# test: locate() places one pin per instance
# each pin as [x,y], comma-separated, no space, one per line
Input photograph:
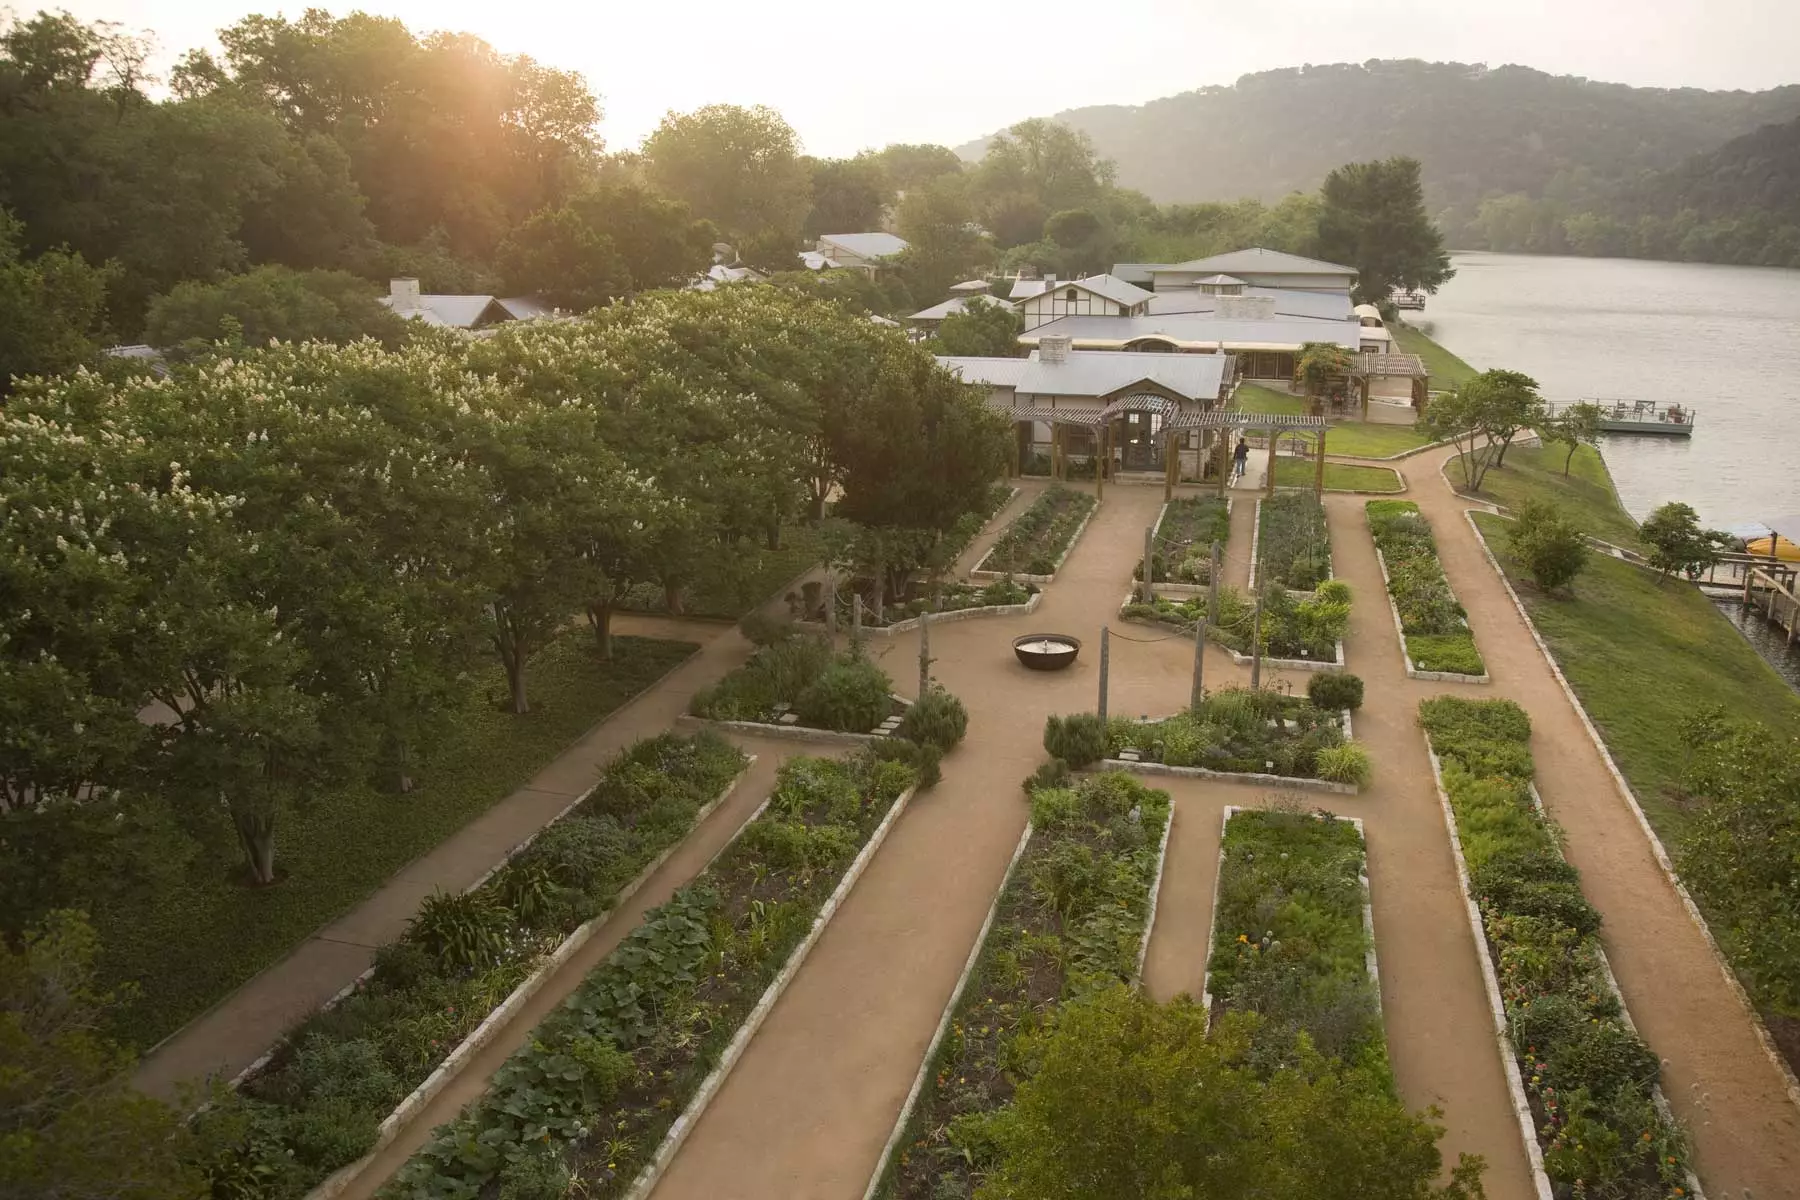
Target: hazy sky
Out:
[850,74]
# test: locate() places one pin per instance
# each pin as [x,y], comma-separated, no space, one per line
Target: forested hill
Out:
[1758,171]
[1478,131]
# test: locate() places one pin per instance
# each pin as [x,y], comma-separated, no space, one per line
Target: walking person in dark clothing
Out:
[1240,458]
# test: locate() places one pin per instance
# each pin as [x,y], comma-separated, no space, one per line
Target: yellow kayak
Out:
[1784,549]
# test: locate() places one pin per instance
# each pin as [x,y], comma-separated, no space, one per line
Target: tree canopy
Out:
[1373,218]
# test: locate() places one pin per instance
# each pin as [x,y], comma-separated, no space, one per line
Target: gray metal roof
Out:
[1137,273]
[453,312]
[1222,281]
[995,372]
[1100,373]
[1257,260]
[1115,289]
[1202,331]
[974,287]
[1289,302]
[1024,289]
[955,304]
[525,308]
[865,245]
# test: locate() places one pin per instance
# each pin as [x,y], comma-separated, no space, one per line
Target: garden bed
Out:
[1300,631]
[349,1078]
[612,1081]
[1584,1083]
[1186,528]
[1073,913]
[798,684]
[1433,628]
[1292,543]
[1033,547]
[1004,597]
[1253,737]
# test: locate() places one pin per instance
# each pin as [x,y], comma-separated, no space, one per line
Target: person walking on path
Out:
[1240,459]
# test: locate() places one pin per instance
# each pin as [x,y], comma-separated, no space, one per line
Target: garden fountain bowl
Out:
[1046,651]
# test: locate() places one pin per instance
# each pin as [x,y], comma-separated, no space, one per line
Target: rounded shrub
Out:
[1051,773]
[1334,691]
[1079,739]
[937,719]
[1348,763]
[921,757]
[850,695]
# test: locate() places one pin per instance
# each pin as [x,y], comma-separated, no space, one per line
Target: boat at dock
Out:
[1409,298]
[1642,416]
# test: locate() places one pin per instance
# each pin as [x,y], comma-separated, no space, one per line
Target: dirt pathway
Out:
[1746,1132]
[231,1035]
[694,852]
[1243,537]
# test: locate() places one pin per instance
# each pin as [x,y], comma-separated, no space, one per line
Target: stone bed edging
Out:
[968,971]
[684,1124]
[979,572]
[1412,671]
[1656,847]
[1368,909]
[1179,591]
[1282,781]
[1256,544]
[408,1110]
[937,618]
[1243,660]
[1509,1061]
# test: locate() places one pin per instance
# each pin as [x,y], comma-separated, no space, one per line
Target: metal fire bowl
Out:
[1046,651]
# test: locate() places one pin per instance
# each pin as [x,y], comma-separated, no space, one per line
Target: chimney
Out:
[1054,348]
[404,293]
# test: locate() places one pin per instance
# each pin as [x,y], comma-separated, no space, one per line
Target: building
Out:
[459,312]
[1139,411]
[1255,267]
[928,319]
[719,274]
[1042,301]
[865,252]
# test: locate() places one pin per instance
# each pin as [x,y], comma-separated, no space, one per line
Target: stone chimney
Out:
[1245,308]
[404,292]
[1054,348]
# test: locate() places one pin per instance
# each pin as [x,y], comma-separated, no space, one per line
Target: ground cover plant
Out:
[1589,1077]
[1040,536]
[1293,541]
[742,577]
[1184,538]
[1434,624]
[829,689]
[1307,625]
[604,1076]
[1069,921]
[1585,495]
[1370,439]
[319,1103]
[1339,477]
[1265,732]
[1447,370]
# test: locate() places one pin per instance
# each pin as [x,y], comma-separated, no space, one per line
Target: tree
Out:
[1054,164]
[559,255]
[737,167]
[1678,543]
[271,304]
[1373,218]
[1126,1097]
[849,195]
[658,240]
[1509,404]
[938,222]
[1482,417]
[908,166]
[1322,366]
[1547,544]
[52,309]
[1575,426]
[983,328]
[70,1129]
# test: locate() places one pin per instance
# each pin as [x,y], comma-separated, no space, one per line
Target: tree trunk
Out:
[880,574]
[672,598]
[396,759]
[600,620]
[774,533]
[1570,458]
[256,834]
[515,683]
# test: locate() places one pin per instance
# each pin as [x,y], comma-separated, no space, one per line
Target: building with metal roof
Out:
[932,316]
[1252,267]
[864,252]
[459,312]
[1040,301]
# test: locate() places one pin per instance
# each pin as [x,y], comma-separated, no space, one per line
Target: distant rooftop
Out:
[863,245]
[1098,373]
[1258,260]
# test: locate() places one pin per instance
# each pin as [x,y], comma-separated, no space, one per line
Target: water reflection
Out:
[1769,639]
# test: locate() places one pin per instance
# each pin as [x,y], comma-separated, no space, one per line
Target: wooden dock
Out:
[1770,588]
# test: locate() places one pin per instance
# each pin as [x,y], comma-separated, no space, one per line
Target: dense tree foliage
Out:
[270,303]
[982,328]
[1373,218]
[739,168]
[52,309]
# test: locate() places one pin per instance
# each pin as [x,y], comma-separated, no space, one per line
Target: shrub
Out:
[1548,544]
[921,759]
[852,694]
[1346,763]
[1051,773]
[1334,691]
[576,849]
[1079,739]
[462,930]
[765,629]
[936,719]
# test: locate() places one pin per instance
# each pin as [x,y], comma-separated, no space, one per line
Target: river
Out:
[1722,340]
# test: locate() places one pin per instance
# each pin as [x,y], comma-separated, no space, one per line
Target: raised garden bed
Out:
[1003,597]
[1300,631]
[1074,912]
[1293,542]
[800,683]
[1263,736]
[1185,531]
[1585,1084]
[611,1082]
[1033,547]
[1433,628]
[348,1079]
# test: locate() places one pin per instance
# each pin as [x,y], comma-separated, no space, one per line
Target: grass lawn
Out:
[1642,654]
[755,574]
[1339,477]
[1365,439]
[1446,369]
[1585,494]
[194,934]
[1255,398]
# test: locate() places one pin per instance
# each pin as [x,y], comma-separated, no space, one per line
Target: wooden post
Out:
[1105,460]
[1198,691]
[1319,474]
[855,620]
[1274,445]
[831,603]
[1224,456]
[1105,651]
[1018,452]
[1148,591]
[1212,585]
[1256,646]
[924,654]
[1171,463]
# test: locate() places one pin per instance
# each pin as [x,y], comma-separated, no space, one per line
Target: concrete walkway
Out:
[233,1033]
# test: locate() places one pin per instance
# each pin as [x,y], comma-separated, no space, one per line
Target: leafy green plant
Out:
[528,891]
[1293,540]
[851,694]
[922,759]
[462,930]
[1434,624]
[1078,739]
[1041,534]
[1190,525]
[1335,690]
[936,719]
[1548,544]
[1348,763]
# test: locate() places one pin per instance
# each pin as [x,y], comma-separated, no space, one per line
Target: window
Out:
[1071,295]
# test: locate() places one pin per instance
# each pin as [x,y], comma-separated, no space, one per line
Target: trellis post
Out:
[1105,443]
[1319,472]
[1105,653]
[924,654]
[1149,594]
[1256,646]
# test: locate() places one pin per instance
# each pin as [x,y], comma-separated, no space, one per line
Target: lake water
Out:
[1722,340]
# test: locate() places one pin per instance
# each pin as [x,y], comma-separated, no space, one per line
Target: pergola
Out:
[1392,366]
[1176,420]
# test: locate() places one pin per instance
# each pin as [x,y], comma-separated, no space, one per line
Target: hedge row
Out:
[1040,536]
[1590,1079]
[602,1079]
[319,1103]
[1434,624]
[1070,918]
